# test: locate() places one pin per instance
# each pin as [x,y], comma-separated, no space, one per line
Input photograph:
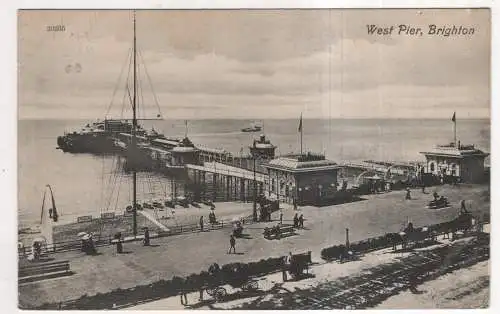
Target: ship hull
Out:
[87,143]
[251,130]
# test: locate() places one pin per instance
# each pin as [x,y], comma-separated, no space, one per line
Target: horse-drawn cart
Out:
[236,278]
[296,264]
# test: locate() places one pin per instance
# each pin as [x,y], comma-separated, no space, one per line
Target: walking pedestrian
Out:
[413,283]
[301,221]
[146,237]
[463,208]
[232,243]
[296,220]
[281,216]
[201,223]
[408,195]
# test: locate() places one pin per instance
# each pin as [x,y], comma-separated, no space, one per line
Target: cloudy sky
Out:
[255,64]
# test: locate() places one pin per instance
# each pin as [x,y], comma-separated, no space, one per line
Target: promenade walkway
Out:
[191,253]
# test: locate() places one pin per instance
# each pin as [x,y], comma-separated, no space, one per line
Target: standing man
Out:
[146,237]
[281,216]
[301,221]
[408,194]
[201,223]
[232,243]
[296,221]
[463,208]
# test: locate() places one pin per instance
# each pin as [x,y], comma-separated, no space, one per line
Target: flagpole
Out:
[455,131]
[300,127]
[301,142]
[454,119]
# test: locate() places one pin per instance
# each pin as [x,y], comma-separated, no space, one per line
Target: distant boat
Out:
[254,127]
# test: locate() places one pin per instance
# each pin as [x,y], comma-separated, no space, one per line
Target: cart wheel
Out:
[251,286]
[210,291]
[220,293]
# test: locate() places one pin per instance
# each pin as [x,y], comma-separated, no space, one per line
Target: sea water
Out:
[84,183]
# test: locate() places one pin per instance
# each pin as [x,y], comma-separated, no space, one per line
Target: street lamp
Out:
[254,190]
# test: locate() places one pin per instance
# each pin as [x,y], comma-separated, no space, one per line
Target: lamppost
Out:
[254,190]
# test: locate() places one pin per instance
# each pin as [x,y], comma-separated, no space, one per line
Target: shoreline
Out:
[65,231]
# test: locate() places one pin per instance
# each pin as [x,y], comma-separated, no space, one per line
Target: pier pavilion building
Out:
[455,162]
[307,178]
[262,148]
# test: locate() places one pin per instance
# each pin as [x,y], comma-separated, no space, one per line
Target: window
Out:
[432,166]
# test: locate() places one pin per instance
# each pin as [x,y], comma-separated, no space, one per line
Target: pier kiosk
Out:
[184,153]
[309,178]
[454,163]
[262,148]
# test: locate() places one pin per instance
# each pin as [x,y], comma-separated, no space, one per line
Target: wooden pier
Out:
[221,182]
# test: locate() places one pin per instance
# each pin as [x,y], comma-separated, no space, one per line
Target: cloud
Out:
[219,60]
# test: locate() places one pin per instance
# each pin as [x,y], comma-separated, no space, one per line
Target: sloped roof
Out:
[184,149]
[452,151]
[294,165]
[262,145]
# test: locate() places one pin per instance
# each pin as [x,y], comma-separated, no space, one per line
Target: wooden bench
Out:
[152,235]
[278,232]
[39,271]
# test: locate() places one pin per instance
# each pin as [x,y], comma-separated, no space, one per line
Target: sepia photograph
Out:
[253,159]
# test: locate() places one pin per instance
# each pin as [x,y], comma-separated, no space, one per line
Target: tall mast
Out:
[134,144]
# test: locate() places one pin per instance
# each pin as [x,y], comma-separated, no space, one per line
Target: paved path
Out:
[191,253]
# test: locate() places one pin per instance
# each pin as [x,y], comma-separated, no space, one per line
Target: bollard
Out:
[347,237]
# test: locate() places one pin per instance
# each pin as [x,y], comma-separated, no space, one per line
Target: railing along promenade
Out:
[100,241]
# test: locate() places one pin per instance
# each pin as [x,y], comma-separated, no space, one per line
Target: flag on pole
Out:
[300,123]
[454,117]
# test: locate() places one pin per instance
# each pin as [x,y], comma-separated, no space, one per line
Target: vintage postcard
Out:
[283,159]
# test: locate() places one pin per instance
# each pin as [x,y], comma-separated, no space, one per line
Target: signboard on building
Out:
[84,219]
[108,215]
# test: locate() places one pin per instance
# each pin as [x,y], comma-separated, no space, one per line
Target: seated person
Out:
[409,228]
[436,196]
[442,200]
[214,269]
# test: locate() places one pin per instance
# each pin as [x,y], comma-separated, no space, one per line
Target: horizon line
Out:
[239,118]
